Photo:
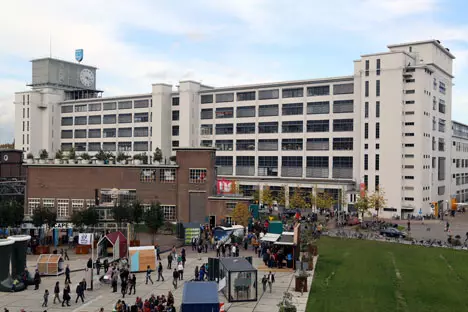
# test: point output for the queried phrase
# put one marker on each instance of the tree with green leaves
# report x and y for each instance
(90, 217)
(297, 200)
(77, 219)
(377, 200)
(362, 204)
(241, 214)
(267, 196)
(324, 200)
(154, 219)
(43, 216)
(281, 198)
(137, 212)
(11, 213)
(122, 213)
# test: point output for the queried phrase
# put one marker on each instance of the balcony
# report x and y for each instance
(224, 170)
(245, 170)
(287, 171)
(342, 173)
(312, 172)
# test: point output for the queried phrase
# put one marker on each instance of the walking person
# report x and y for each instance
(175, 276)
(132, 282)
(67, 275)
(158, 253)
(37, 280)
(115, 278)
(180, 270)
(98, 266)
(66, 256)
(169, 261)
(271, 280)
(148, 275)
(57, 292)
(79, 292)
(66, 295)
(218, 250)
(197, 272)
(123, 287)
(160, 271)
(46, 298)
(199, 251)
(264, 282)
(223, 250)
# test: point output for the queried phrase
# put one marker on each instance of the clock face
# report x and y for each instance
(5, 157)
(87, 77)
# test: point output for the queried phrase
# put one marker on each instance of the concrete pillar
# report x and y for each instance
(18, 254)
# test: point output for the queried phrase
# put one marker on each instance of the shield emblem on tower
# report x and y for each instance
(79, 55)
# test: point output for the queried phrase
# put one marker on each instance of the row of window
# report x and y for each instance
(377, 88)
(268, 94)
(105, 119)
(323, 107)
(377, 130)
(376, 163)
(287, 161)
(376, 180)
(66, 207)
(96, 107)
(377, 67)
(108, 146)
(377, 109)
(149, 175)
(312, 144)
(339, 125)
(106, 133)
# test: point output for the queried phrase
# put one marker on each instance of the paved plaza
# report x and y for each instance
(102, 295)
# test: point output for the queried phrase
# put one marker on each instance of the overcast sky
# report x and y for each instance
(136, 43)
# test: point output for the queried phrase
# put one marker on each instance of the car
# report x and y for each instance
(354, 221)
(392, 232)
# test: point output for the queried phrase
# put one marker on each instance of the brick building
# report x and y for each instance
(186, 190)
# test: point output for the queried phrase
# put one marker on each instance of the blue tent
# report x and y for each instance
(200, 296)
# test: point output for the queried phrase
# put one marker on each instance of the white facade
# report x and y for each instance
(459, 165)
(387, 125)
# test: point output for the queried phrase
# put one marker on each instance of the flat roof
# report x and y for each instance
(194, 148)
(237, 264)
(281, 84)
(433, 41)
(109, 98)
(96, 165)
(64, 61)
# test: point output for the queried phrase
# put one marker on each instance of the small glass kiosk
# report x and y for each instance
(238, 279)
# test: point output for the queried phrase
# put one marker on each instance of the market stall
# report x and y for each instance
(113, 246)
(142, 257)
(50, 264)
(238, 279)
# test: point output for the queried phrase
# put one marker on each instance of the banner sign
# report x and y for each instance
(84, 239)
(362, 189)
(226, 186)
(55, 237)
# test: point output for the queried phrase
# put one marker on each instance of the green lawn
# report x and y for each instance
(355, 275)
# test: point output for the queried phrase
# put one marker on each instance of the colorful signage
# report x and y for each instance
(362, 189)
(226, 186)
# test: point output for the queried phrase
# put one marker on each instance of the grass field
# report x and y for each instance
(355, 275)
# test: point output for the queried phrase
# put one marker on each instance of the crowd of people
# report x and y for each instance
(152, 304)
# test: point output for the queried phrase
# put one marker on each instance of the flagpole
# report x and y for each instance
(92, 259)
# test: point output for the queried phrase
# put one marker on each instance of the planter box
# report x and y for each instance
(40, 250)
(57, 161)
(135, 243)
(100, 162)
(42, 161)
(300, 283)
(137, 162)
(29, 161)
(82, 249)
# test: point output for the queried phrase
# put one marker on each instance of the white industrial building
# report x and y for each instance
(387, 125)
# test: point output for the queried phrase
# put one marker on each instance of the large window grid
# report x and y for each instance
(345, 88)
(292, 144)
(343, 106)
(292, 93)
(169, 212)
(206, 129)
(141, 132)
(80, 134)
(223, 129)
(77, 205)
(206, 113)
(317, 167)
(315, 108)
(343, 144)
(343, 167)
(109, 106)
(67, 134)
(224, 97)
(80, 121)
(175, 130)
(94, 146)
(206, 143)
(147, 175)
(245, 145)
(340, 125)
(246, 96)
(296, 126)
(67, 121)
(140, 117)
(245, 128)
(224, 145)
(109, 119)
(34, 203)
(125, 118)
(206, 99)
(318, 144)
(67, 109)
(318, 91)
(245, 165)
(224, 165)
(268, 127)
(175, 115)
(268, 166)
(291, 166)
(267, 144)
(140, 146)
(318, 125)
(62, 208)
(197, 175)
(292, 109)
(268, 94)
(125, 132)
(167, 175)
(224, 112)
(245, 111)
(81, 108)
(108, 146)
(94, 120)
(109, 133)
(268, 110)
(125, 146)
(125, 105)
(80, 147)
(141, 104)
